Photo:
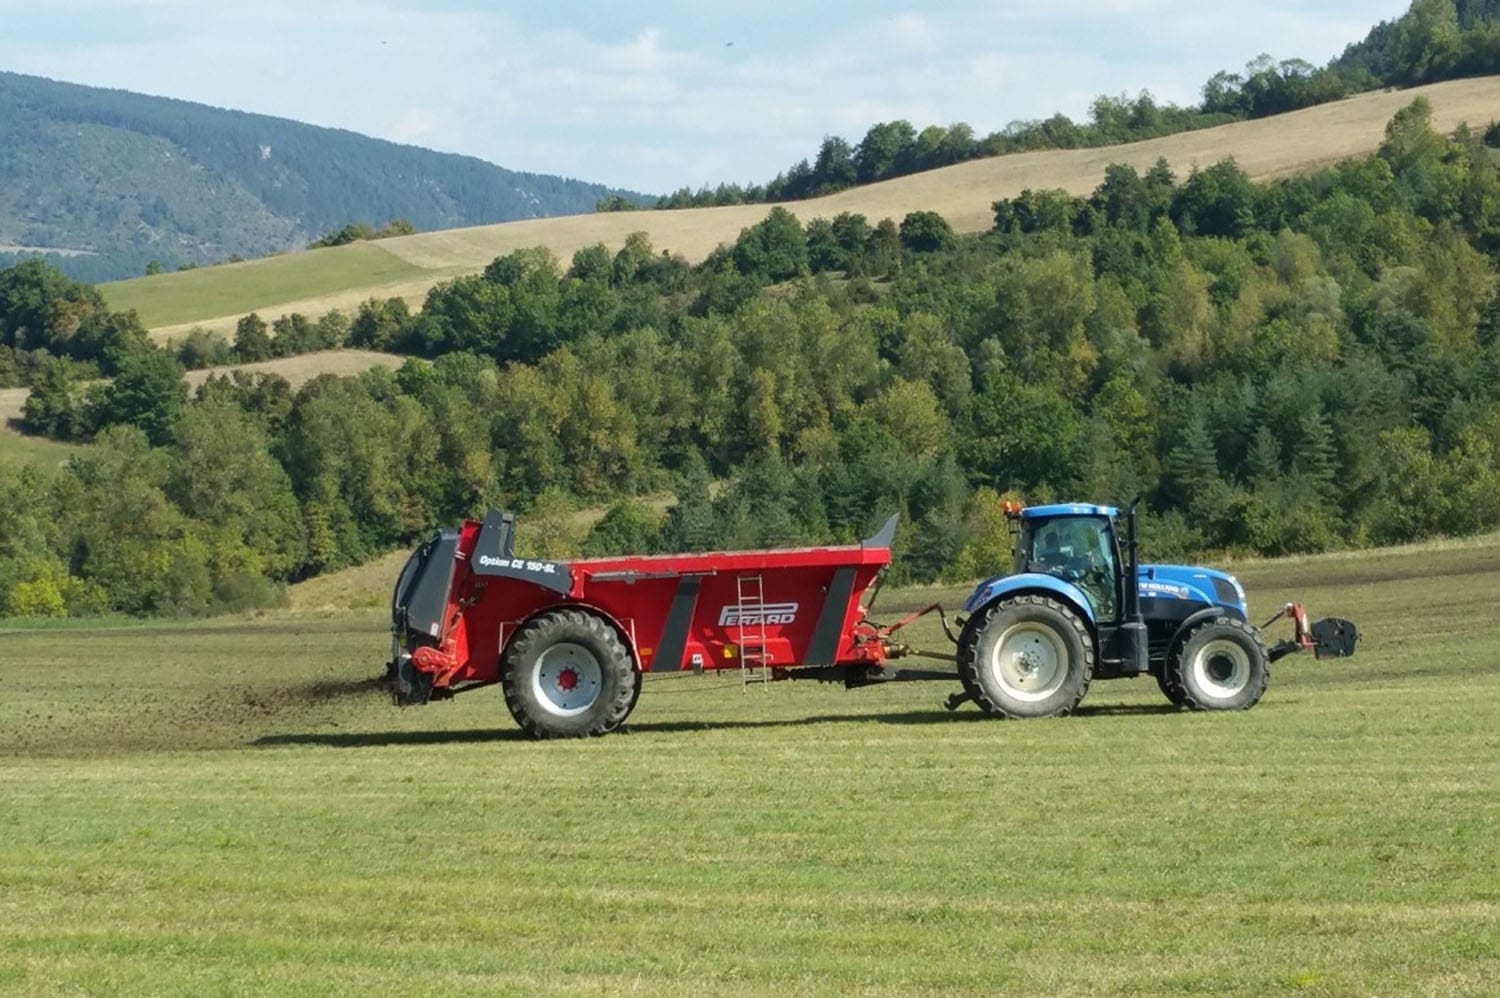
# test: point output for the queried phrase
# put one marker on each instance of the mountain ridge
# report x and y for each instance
(130, 178)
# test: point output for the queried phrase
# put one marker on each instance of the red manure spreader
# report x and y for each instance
(569, 642)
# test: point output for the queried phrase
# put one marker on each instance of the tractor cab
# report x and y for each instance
(1089, 551)
(1076, 544)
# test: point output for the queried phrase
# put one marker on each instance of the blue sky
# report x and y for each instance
(656, 96)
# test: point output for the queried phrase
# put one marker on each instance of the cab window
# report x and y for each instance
(1077, 549)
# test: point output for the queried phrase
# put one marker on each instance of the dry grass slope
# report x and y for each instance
(302, 369)
(17, 448)
(12, 403)
(315, 282)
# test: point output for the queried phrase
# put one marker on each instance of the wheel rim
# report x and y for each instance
(568, 679)
(1221, 668)
(1030, 662)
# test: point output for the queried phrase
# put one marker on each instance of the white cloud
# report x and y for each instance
(414, 124)
(643, 54)
(914, 33)
(652, 97)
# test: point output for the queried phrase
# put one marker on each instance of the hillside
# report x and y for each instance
(119, 179)
(1275, 367)
(342, 277)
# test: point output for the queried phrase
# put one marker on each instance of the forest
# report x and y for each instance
(1295, 366)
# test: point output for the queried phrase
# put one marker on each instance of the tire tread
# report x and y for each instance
(968, 658)
(1172, 676)
(542, 631)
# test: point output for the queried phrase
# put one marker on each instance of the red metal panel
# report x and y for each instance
(637, 593)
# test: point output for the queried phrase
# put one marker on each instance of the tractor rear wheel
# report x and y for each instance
(1027, 657)
(1221, 665)
(567, 674)
(966, 639)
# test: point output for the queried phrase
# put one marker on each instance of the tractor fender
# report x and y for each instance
(1199, 617)
(585, 607)
(993, 591)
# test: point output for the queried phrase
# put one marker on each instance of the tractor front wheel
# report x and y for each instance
(1167, 684)
(1028, 657)
(1221, 665)
(567, 674)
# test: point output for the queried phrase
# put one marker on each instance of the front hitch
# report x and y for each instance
(1331, 637)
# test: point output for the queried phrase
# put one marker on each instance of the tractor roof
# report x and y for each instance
(1067, 509)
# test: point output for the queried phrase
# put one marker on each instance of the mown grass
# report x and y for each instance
(18, 448)
(240, 288)
(232, 805)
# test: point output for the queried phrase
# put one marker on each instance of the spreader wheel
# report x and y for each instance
(1029, 657)
(567, 674)
(1222, 665)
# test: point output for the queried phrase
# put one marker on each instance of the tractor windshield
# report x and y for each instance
(1076, 549)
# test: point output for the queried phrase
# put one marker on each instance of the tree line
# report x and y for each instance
(1434, 40)
(356, 232)
(1292, 366)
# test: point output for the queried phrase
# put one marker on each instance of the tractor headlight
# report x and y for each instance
(1239, 590)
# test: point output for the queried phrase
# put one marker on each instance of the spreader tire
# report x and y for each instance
(1221, 665)
(567, 674)
(1027, 657)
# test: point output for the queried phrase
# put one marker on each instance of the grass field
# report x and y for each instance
(342, 277)
(231, 805)
(12, 403)
(19, 448)
(301, 369)
(184, 296)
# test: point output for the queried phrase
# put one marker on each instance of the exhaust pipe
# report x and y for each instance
(1135, 643)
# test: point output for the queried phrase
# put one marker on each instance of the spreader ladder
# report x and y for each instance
(751, 627)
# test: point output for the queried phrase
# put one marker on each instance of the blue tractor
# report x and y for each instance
(1079, 606)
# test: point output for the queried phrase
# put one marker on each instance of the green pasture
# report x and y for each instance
(18, 449)
(240, 288)
(231, 806)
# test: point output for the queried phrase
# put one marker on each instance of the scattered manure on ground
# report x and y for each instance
(339, 689)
